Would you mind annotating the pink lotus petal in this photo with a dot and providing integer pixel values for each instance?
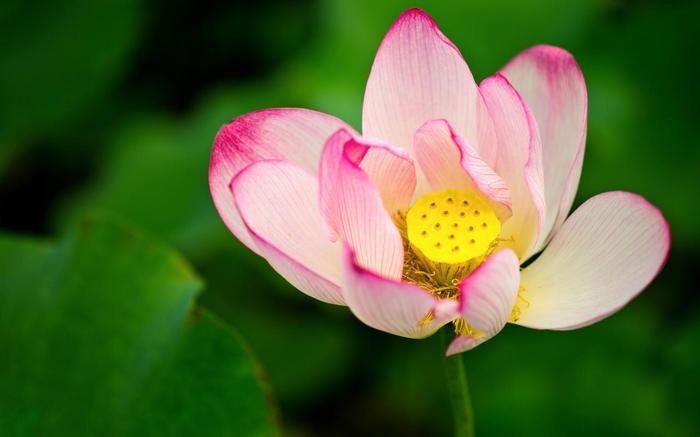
(388, 305)
(552, 84)
(352, 205)
(418, 75)
(296, 135)
(519, 162)
(488, 294)
(449, 162)
(464, 343)
(605, 254)
(446, 309)
(278, 203)
(487, 298)
(392, 171)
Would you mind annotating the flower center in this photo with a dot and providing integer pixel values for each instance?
(451, 226)
(446, 235)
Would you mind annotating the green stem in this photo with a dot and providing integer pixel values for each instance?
(458, 389)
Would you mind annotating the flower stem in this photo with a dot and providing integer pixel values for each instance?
(458, 389)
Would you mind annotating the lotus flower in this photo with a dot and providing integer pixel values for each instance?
(427, 217)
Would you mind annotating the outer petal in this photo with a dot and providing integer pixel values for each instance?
(391, 306)
(450, 162)
(605, 254)
(353, 207)
(552, 84)
(519, 162)
(296, 135)
(487, 298)
(278, 202)
(418, 75)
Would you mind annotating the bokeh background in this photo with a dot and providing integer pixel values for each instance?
(112, 106)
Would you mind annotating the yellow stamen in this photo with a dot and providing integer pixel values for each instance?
(452, 226)
(462, 328)
(515, 314)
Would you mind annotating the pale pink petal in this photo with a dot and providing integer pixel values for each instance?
(519, 162)
(300, 276)
(487, 298)
(352, 206)
(449, 162)
(487, 140)
(392, 171)
(295, 135)
(488, 294)
(464, 343)
(338, 147)
(418, 75)
(391, 306)
(605, 254)
(446, 309)
(278, 203)
(550, 81)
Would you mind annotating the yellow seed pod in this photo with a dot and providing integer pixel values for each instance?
(452, 226)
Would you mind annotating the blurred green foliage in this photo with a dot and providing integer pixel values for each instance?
(59, 58)
(99, 338)
(114, 105)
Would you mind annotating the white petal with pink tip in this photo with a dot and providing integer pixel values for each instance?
(551, 83)
(519, 162)
(295, 135)
(353, 207)
(610, 248)
(419, 75)
(487, 297)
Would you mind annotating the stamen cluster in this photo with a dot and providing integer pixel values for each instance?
(446, 235)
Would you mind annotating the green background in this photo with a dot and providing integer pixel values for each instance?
(107, 114)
